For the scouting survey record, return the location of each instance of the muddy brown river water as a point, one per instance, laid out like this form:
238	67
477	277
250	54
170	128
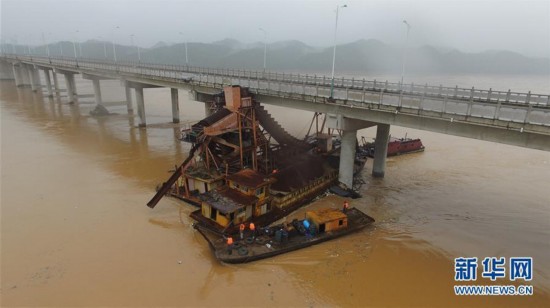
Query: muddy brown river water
75	230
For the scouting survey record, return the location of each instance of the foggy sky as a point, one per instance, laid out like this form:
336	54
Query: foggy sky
517	25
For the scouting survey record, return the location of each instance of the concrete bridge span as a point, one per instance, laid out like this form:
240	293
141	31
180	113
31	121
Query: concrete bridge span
520	119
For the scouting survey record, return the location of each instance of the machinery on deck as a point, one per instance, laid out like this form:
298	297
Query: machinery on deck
243	166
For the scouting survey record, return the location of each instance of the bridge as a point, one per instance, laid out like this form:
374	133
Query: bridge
520	119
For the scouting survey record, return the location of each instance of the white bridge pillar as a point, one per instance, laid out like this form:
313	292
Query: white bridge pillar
35	78
175	106
97	91
207	109
380	150
6	71
71	87
140	100
205	98
140	106
349	128
347	157
129	104
25	75
19	82
55	83
96	82
70	83
48	82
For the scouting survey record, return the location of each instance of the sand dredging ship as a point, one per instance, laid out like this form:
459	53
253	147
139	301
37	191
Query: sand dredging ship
244	167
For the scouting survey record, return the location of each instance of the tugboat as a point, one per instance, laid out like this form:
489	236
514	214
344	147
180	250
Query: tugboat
317	227
396	146
244	167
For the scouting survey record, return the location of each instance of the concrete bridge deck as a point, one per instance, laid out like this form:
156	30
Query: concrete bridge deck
521	119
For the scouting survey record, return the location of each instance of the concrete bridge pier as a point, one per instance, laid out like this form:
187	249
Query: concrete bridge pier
97	91
71	85
34	86
175	105
96	85
207	110
18	76
55	83
25	75
206	98
129	104
35	78
140	101
349	128
347	157
6	71
48	82
29	76
381	150
140	106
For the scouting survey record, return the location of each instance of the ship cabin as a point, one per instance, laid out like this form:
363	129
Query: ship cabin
326	220
245	195
199	180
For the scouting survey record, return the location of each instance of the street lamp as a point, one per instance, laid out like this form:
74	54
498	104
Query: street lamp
334	50
47	45
13	42
79	44
405	51
104	46
265	47
186	56
28	44
132	41
4	45
74	47
114	48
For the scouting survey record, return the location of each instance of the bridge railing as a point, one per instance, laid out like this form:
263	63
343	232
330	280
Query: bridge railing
509	106
348	83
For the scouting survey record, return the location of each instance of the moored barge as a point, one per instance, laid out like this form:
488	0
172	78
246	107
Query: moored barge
317	227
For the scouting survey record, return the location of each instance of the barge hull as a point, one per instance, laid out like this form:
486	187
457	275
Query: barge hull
357	220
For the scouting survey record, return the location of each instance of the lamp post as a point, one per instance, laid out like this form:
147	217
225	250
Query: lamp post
13	42
114	47
186	56
334	50
405	51
132	42
79	44
104	46
47	45
265	47
74	48
4	45
28	44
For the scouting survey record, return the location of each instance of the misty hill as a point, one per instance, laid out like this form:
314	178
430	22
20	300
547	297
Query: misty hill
371	56
231	43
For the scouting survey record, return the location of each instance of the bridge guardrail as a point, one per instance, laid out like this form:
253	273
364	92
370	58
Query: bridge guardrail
509	106
352	83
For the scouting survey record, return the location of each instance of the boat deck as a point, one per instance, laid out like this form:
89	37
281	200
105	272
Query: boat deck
265	246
